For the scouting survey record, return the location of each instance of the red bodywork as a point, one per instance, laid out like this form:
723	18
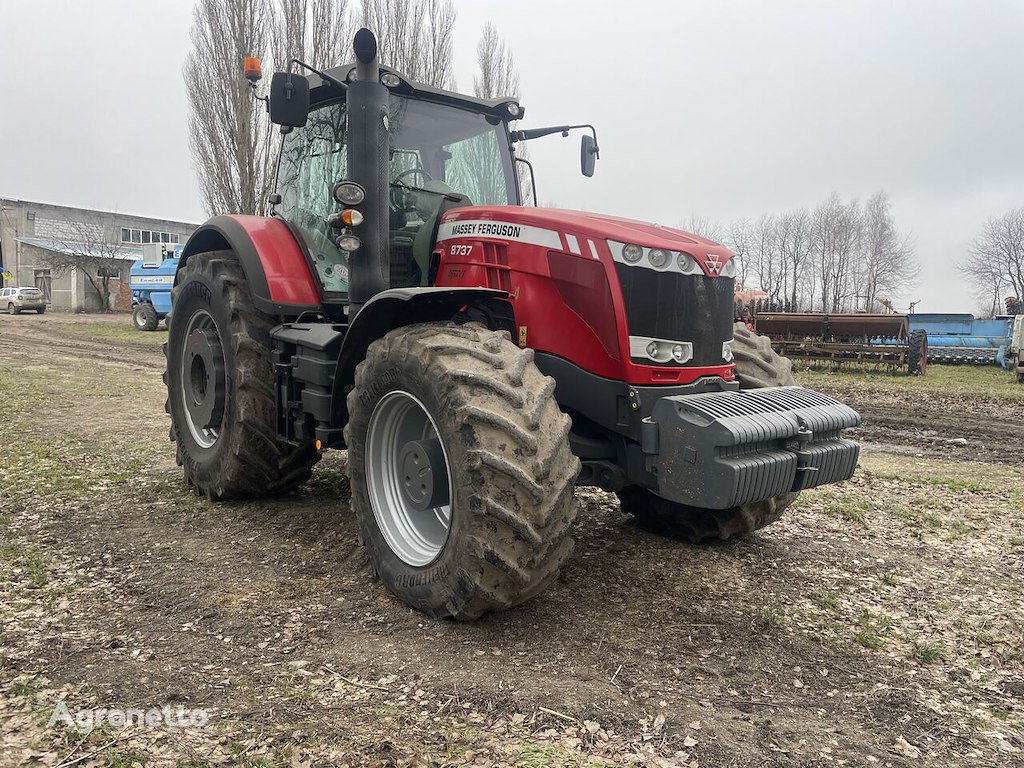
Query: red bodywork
517	261
288	277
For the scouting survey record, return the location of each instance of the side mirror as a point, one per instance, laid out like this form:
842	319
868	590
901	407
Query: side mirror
289	99
588	155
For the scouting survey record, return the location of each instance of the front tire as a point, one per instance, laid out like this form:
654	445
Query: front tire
757	366
12	310
220	387
468	411
144	317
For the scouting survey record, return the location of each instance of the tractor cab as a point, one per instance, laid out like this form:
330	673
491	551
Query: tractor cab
444	151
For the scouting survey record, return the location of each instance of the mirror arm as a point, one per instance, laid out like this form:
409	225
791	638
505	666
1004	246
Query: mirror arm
536	133
322	75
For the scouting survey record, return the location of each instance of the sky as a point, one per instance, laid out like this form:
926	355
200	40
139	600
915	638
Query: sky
711	108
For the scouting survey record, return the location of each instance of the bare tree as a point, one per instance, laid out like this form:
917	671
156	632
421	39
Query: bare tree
739	239
888	263
92	249
996	260
837	232
230	132
415	37
704	227
767	256
794	240
497	76
319	32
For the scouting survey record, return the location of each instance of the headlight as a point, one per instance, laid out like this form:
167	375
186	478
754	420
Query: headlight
660	350
349	193
688	265
632	253
729	270
658	258
348	243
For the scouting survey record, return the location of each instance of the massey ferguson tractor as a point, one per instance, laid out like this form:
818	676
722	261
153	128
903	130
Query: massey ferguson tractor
477	358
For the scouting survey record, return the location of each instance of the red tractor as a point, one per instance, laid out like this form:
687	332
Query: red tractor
476	357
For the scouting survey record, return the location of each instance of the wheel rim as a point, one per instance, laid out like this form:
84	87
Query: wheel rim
140	321
413	516
202	379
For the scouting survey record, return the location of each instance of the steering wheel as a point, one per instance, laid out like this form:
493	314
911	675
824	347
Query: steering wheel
410	172
401	194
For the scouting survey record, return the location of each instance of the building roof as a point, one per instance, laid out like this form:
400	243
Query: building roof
83	249
16	202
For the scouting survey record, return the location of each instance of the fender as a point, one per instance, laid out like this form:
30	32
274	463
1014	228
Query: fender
271	257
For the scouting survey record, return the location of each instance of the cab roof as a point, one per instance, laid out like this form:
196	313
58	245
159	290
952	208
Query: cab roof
322	92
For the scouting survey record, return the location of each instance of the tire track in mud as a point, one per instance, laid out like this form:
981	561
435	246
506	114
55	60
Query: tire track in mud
936	429
16	337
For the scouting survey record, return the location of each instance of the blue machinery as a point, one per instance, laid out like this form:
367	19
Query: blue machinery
151	280
897	341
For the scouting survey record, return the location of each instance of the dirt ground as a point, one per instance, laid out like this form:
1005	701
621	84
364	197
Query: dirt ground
878	623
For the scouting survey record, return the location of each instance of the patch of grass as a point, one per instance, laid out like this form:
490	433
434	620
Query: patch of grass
118	759
890	578
853	509
32	562
966	383
872	627
23	689
770	617
867	639
927	653
124	333
545	756
826	601
242	759
916	518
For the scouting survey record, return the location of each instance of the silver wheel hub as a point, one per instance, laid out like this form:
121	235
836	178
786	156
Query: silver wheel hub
408	478
203	379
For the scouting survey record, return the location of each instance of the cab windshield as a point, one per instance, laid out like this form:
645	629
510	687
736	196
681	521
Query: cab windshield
440	157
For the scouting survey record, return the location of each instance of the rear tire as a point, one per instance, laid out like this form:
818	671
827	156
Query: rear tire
917	352
757	366
220	387
144	317
503	458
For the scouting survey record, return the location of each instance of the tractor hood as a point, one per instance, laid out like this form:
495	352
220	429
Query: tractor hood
581	224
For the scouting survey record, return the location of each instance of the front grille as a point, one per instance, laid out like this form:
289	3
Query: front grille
675	307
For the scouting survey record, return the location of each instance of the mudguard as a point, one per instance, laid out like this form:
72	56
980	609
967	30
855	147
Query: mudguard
271	257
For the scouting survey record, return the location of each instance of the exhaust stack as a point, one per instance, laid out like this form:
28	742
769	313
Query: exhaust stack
370	270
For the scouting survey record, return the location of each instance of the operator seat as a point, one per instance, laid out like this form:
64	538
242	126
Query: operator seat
431	205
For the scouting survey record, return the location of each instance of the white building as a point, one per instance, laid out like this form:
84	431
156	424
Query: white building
66	251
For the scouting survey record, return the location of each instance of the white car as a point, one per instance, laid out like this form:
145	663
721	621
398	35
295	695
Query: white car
17	299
